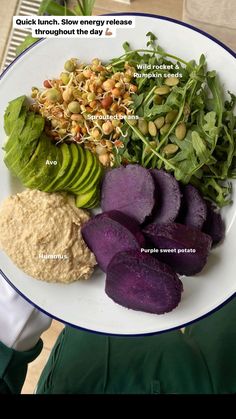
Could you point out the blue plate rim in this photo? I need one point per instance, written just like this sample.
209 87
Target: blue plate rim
231 52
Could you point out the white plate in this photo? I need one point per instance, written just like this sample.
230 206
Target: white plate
85 304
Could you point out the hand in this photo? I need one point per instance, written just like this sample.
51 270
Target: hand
21 324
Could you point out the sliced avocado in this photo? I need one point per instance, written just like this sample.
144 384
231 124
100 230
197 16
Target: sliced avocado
15 160
95 200
94 204
25 144
89 169
94 180
80 168
65 167
16 130
37 160
82 200
86 185
12 113
47 170
32 129
69 175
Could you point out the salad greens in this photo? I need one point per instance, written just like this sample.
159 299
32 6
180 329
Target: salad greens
206 157
182 121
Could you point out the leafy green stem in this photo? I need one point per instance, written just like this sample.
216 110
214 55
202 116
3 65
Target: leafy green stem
175 123
123 57
147 144
149 96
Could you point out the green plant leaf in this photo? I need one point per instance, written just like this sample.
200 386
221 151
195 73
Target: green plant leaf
210 124
52 8
200 147
86 6
29 40
156 110
126 47
214 86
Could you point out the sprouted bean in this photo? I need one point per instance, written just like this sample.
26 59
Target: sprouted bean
81 104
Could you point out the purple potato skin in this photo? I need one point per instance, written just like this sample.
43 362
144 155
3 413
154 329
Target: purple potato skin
178 236
214 225
194 209
127 222
105 237
167 197
140 282
130 190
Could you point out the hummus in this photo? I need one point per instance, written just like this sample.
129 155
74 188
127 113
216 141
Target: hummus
41 233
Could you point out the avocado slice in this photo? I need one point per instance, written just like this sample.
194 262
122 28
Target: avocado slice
25 144
87 173
86 185
79 169
94 202
37 160
46 171
81 201
65 166
12 112
16 130
94 180
14 159
66 179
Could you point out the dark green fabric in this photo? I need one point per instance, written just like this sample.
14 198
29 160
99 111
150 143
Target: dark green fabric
13 367
201 361
84 363
215 337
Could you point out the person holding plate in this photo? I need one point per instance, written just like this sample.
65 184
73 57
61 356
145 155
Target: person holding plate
202 360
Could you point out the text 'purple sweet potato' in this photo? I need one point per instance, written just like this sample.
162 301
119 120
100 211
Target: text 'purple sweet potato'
180 240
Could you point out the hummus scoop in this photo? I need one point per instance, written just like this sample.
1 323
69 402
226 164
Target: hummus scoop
41 233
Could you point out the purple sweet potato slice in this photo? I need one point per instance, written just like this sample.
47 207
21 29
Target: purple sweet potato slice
140 282
105 237
130 190
214 225
183 248
167 196
127 222
194 210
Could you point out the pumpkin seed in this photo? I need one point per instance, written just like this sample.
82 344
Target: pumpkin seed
170 116
162 90
132 122
152 129
152 146
170 149
180 131
159 122
172 81
157 100
165 129
143 126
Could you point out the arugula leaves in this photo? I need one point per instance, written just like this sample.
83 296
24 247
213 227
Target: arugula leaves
207 155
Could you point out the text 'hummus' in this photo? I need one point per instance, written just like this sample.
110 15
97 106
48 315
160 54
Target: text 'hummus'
34 223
